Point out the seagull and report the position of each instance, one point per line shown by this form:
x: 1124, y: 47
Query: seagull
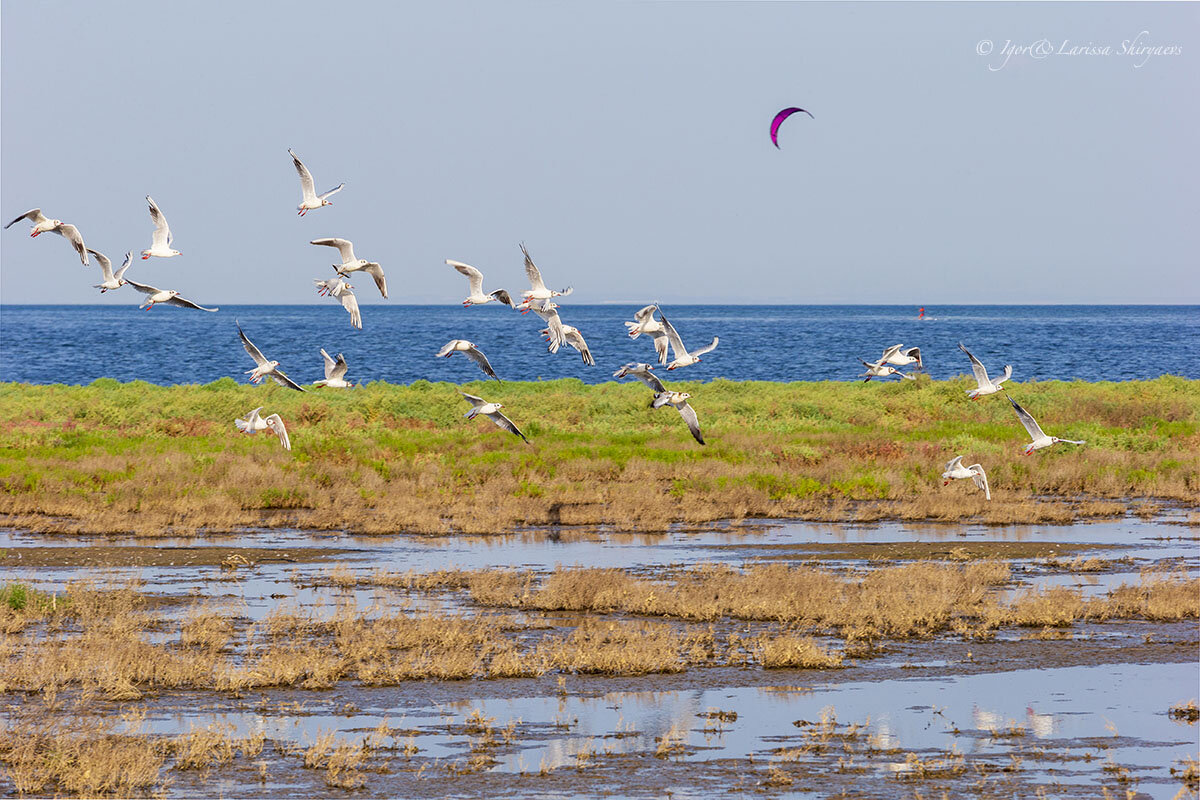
x: 160, y: 244
x: 471, y: 351
x: 111, y: 280
x: 310, y: 199
x: 881, y: 370
x: 645, y: 374
x: 538, y: 290
x: 986, y: 385
x: 492, y: 412
x: 352, y: 264
x: 901, y: 358
x: 336, y: 287
x: 264, y: 367
x: 955, y: 469
x: 335, y: 372
x: 683, y: 358
x: 253, y: 423
x: 679, y: 400
x: 647, y: 324
x: 553, y: 331
x: 43, y: 225
x: 573, y: 337
x: 1040, y: 439
x: 168, y: 296
x: 475, y: 278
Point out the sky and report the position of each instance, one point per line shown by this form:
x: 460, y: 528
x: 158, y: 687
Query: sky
x: 626, y: 144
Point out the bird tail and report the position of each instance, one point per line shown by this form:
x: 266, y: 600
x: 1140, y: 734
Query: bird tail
x: 242, y: 425
x: 635, y: 329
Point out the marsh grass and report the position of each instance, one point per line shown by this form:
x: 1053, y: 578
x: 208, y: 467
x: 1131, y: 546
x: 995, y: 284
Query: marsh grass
x: 150, y: 460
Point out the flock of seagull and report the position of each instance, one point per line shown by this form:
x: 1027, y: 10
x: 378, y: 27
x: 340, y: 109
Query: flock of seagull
x: 649, y: 321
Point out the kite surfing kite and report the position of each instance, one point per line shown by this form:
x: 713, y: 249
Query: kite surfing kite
x: 779, y: 118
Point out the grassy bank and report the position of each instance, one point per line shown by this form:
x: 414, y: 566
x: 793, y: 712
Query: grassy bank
x: 111, y: 457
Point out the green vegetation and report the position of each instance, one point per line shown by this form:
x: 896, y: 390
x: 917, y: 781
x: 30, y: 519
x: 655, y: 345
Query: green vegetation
x: 150, y: 460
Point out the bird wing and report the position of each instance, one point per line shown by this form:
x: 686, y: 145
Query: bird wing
x: 344, y: 246
x: 72, y: 235
x: 474, y: 276
x: 275, y: 423
x: 661, y: 345
x: 183, y: 302
x: 247, y: 425
x: 649, y: 378
x: 891, y: 351
x: 144, y: 288
x: 707, y: 348
x: 645, y: 314
x: 283, y: 380
x: 693, y: 422
x: 162, y: 231
x: 329, y: 364
x: 121, y: 272
x: 673, y: 336
x: 306, y: 179
x: 34, y: 215
x: 914, y: 352
x: 1007, y: 374
x: 376, y: 272
x: 504, y: 423
x: 254, y: 352
x: 350, y: 303
x: 476, y: 355
x: 1028, y: 421
x: 473, y: 400
x: 503, y: 297
x: 447, y: 348
x: 976, y: 366
x: 105, y: 264
x: 954, y: 462
x: 531, y: 271
x: 576, y: 340
x: 332, y: 191
x: 980, y: 479
x: 340, y: 368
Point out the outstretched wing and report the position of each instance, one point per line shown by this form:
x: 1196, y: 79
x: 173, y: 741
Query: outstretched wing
x: 332, y: 191
x: 980, y: 479
x: 576, y: 340
x: 275, y: 423
x: 34, y: 215
x: 105, y: 264
x: 283, y: 380
x: 476, y: 355
x: 329, y: 364
x: 344, y: 246
x: 128, y: 260
x: 981, y: 376
x: 707, y: 348
x: 376, y: 272
x: 503, y: 297
x: 340, y: 368
x: 473, y: 400
x: 504, y: 423
x: 183, y: 302
x: 661, y: 344
x: 645, y: 314
x: 954, y: 462
x: 532, y: 272
x: 144, y: 288
x: 162, y: 232
x: 693, y: 422
x: 1028, y: 421
x: 474, y: 276
x: 306, y: 179
x: 673, y: 336
x: 72, y: 235
x: 253, y: 351
x: 350, y: 303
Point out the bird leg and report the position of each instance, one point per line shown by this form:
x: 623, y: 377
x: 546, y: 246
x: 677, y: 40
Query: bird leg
x: 301, y: 212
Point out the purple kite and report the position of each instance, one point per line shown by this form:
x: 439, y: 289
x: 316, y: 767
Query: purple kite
x: 779, y: 118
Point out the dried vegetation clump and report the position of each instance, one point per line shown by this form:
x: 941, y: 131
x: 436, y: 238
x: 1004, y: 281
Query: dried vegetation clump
x: 158, y: 460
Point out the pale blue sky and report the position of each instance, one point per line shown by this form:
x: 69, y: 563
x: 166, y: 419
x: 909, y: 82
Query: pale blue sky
x: 626, y: 144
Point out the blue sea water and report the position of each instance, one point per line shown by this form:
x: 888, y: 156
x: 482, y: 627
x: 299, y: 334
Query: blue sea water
x: 167, y: 345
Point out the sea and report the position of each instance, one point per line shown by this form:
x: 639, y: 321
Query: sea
x: 76, y: 344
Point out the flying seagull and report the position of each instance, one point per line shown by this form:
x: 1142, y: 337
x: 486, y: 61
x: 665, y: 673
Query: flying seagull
x: 683, y: 358
x: 351, y: 264
x: 168, y: 296
x: 554, y: 327
x: 1040, y: 439
x: 111, y: 280
x: 475, y: 279
x: 253, y: 423
x: 310, y: 199
x: 986, y: 384
x: 160, y: 243
x: 645, y: 374
x: 647, y: 324
x: 264, y: 367
x: 492, y: 412
x: 881, y: 370
x: 955, y: 469
x: 901, y: 357
x: 538, y: 290
x: 338, y: 288
x: 662, y: 396
x: 43, y: 225
x: 571, y: 336
x: 471, y: 351
x: 335, y: 372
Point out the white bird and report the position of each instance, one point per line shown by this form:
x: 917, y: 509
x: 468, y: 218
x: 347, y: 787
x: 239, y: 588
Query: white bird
x: 679, y: 401
x: 881, y: 370
x: 647, y: 324
x: 900, y: 357
x: 492, y: 412
x: 338, y: 288
x: 352, y: 264
x: 538, y: 290
x: 986, y: 385
x: 1040, y: 439
x: 264, y: 367
x: 310, y: 199
x: 43, y: 225
x: 644, y: 373
x: 554, y: 327
x: 573, y: 337
x: 471, y: 351
x: 683, y: 358
x: 167, y: 296
x: 335, y: 372
x: 253, y: 423
x: 112, y: 280
x: 955, y: 469
x: 475, y: 279
x: 160, y: 243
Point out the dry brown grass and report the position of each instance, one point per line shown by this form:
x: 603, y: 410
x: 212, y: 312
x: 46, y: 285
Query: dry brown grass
x: 794, y: 652
x: 1188, y: 712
